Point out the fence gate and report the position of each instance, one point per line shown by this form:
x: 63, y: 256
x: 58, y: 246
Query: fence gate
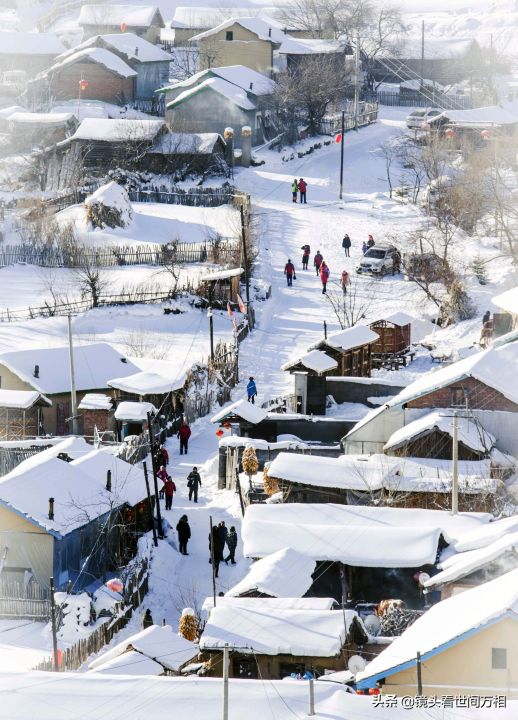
x: 232, y: 468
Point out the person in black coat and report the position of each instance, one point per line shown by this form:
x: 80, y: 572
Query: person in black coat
x: 346, y: 244
x: 193, y: 483
x: 147, y: 620
x: 232, y: 545
x: 184, y: 533
x: 216, y: 548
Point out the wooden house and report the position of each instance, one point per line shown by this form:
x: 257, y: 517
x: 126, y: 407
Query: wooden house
x: 394, y: 333
x: 222, y: 285
x: 352, y: 350
x: 31, y: 129
x: 41, y: 369
x: 507, y: 318
x: 96, y: 413
x: 71, y: 519
x: 143, y: 20
x: 132, y: 417
x: 21, y: 414
x: 187, y: 152
x: 298, y: 52
x: 28, y: 51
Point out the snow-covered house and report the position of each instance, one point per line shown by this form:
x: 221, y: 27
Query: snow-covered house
x: 481, y: 387
x: 218, y: 97
x: 143, y: 20
x: 373, y: 553
x: 468, y: 643
x: 188, y: 152
x: 274, y: 642
x: 157, y: 650
x: 351, y: 348
x: 46, y: 371
x: 249, y: 41
x: 132, y: 417
x: 285, y: 573
x: 34, y: 129
x: 96, y: 411
x: 297, y: 52
x: 30, y: 52
x: 70, y: 512
x: 21, y: 413
x: 394, y: 332
x: 507, y: 302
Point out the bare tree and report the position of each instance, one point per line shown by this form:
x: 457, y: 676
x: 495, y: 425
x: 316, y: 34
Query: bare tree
x: 351, y: 307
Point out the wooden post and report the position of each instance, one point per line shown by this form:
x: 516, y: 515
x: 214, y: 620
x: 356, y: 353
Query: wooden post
x: 155, y: 479
x: 245, y: 264
x: 225, y: 682
x: 150, y: 505
x: 212, y: 563
x: 53, y: 625
x: 455, y: 466
x: 419, y: 676
x: 342, y: 157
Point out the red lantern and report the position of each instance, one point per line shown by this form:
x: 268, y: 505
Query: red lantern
x: 83, y: 84
x: 374, y: 691
x: 360, y: 692
x: 219, y: 433
x: 449, y: 133
x: 123, y: 26
x: 338, y: 138
x: 484, y: 134
x: 115, y: 585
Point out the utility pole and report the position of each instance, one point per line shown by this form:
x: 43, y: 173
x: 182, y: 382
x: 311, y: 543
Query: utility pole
x: 325, y: 330
x: 311, y: 697
x: 211, y: 331
x: 73, y: 395
x: 356, y: 79
x: 342, y: 157
x: 225, y: 682
x: 150, y: 505
x: 422, y: 55
x: 212, y: 562
x: 155, y: 480
x: 245, y: 264
x: 53, y: 625
x: 455, y: 466
x: 419, y: 676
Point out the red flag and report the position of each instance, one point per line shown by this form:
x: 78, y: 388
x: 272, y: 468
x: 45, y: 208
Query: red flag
x: 229, y: 310
x: 242, y: 306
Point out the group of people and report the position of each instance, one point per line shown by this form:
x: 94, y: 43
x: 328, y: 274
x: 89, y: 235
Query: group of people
x: 168, y: 488
x: 367, y: 245
x: 321, y: 267
x: 220, y: 536
x: 299, y: 187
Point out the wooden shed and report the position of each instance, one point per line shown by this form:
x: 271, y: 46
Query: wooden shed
x: 394, y: 332
x: 352, y: 350
x: 20, y: 414
x: 222, y: 285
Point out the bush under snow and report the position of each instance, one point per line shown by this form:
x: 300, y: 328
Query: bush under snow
x: 109, y: 206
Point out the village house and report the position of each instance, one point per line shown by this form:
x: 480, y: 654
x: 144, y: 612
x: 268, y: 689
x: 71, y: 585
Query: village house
x: 21, y: 414
x: 297, y: 52
x: 28, y: 52
x: 157, y: 650
x: 346, y: 542
x: 395, y: 337
x: 285, y: 573
x: 188, y: 153
x: 132, y: 417
x: 71, y: 519
x: 143, y: 20
x: 249, y: 41
x: 480, y: 387
x: 281, y: 636
x: 351, y: 348
x: 467, y: 643
x: 214, y: 99
x: 28, y: 130
x: 507, y: 319
x: 41, y: 369
x: 96, y: 412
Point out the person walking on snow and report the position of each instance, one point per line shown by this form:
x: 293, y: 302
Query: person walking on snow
x: 370, y: 241
x: 303, y: 186
x: 184, y: 533
x: 306, y: 252
x: 162, y: 475
x: 147, y: 620
x: 184, y: 433
x: 165, y: 455
x: 215, y: 548
x: 170, y: 489
x: 294, y: 189
x: 251, y: 390
x: 345, y: 281
x: 346, y: 244
x: 324, y: 277
x: 232, y: 545
x: 289, y: 271
x: 317, y: 261
x: 193, y: 483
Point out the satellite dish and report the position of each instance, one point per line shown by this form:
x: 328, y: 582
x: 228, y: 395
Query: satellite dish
x: 372, y: 624
x: 356, y: 664
x: 423, y: 578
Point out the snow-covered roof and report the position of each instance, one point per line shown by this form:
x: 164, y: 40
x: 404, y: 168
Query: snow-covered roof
x: 305, y: 46
x: 30, y: 43
x: 94, y: 365
x: 128, y: 44
x: 283, y: 573
x: 115, y: 130
x: 271, y: 604
x: 486, y: 534
x: 96, y: 401
x: 243, y: 409
x: 349, y: 338
x: 221, y: 274
x: 265, y: 28
x: 239, y: 75
x: 397, y: 318
x: 130, y: 663
x: 216, y: 84
x: 98, y: 55
x: 148, y: 383
x: 314, y: 360
x: 507, y: 301
x: 134, y: 411
x: 22, y: 399
x: 446, y: 623
x: 493, y: 115
x: 157, y: 643
x: 470, y: 432
x: 186, y: 143
x: 107, y: 15
x: 317, y: 633
x: 78, y: 488
x: 364, y: 536
x: 52, y: 119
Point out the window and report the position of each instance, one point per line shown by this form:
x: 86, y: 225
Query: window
x: 458, y: 397
x: 229, y: 35
x: 499, y: 658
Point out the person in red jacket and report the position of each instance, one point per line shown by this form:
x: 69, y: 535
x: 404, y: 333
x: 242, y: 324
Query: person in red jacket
x: 289, y: 271
x: 165, y: 455
x: 317, y: 261
x: 170, y: 489
x: 345, y: 281
x: 162, y: 475
x: 324, y: 277
x: 184, y: 433
x: 303, y: 186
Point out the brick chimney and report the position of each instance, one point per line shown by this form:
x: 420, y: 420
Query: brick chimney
x: 36, y: 371
x: 51, y: 508
x: 109, y: 480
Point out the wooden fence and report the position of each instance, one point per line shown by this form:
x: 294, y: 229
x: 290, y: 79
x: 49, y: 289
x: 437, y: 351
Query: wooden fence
x: 72, y: 658
x: 224, y: 251
x: 23, y: 601
x: 333, y: 123
x: 425, y: 100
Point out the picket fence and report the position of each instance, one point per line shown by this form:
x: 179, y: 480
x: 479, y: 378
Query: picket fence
x: 19, y: 601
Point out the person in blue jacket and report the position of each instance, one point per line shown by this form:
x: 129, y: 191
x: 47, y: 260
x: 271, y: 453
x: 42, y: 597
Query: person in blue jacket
x: 251, y: 390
